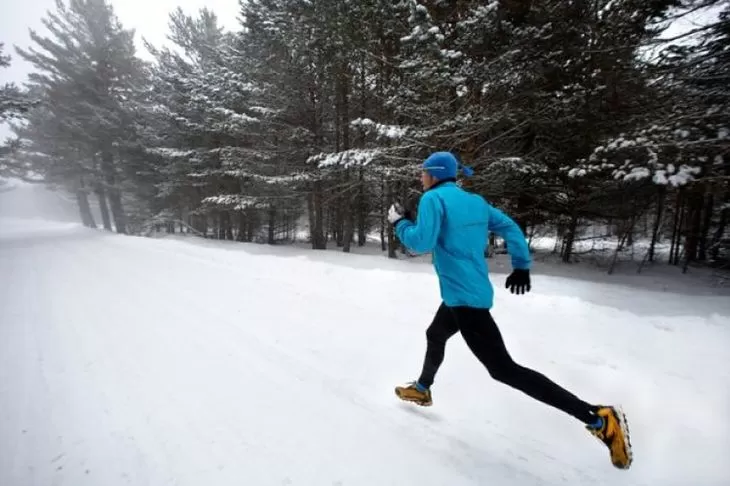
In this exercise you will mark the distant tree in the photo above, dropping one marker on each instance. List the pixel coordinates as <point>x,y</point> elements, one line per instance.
<point>13,102</point>
<point>86,71</point>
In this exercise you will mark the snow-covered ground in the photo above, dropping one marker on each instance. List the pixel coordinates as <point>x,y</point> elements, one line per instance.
<point>141,361</point>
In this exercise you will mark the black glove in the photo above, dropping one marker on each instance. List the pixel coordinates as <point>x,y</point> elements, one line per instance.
<point>519,281</point>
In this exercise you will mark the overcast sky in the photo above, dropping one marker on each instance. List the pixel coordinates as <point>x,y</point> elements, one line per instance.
<point>149,19</point>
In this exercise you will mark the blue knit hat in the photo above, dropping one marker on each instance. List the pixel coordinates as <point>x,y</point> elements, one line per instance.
<point>443,165</point>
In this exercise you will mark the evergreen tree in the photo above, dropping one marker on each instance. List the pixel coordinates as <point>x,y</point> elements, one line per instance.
<point>13,103</point>
<point>680,147</point>
<point>85,71</point>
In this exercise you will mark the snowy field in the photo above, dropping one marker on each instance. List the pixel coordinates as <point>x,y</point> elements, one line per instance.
<point>138,361</point>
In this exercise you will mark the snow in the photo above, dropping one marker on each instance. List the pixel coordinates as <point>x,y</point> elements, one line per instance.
<point>606,9</point>
<point>170,152</point>
<point>393,132</point>
<point>660,177</point>
<point>681,133</point>
<point>576,172</point>
<point>236,202</point>
<point>128,360</point>
<point>233,116</point>
<point>346,158</point>
<point>451,54</point>
<point>637,173</point>
<point>26,231</point>
<point>265,110</point>
<point>684,175</point>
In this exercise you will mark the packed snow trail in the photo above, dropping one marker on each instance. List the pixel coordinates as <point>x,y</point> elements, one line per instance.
<point>127,360</point>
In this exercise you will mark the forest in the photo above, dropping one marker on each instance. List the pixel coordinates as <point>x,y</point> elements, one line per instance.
<point>580,119</point>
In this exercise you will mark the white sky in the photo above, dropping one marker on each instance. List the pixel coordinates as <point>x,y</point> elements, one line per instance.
<point>148,18</point>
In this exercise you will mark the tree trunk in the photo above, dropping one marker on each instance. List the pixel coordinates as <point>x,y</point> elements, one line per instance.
<point>82,200</point>
<point>316,217</point>
<point>347,219</point>
<point>630,237</point>
<point>691,245</point>
<point>715,247</point>
<point>675,222</point>
<point>338,223</point>
<point>225,228</point>
<point>241,236</point>
<point>271,238</point>
<point>657,221</point>
<point>362,204</point>
<point>103,206</point>
<point>115,195</point>
<point>392,242</point>
<point>204,223</point>
<point>383,217</point>
<point>706,224</point>
<point>250,224</point>
<point>362,211</point>
<point>570,238</point>
<point>680,229</point>
<point>347,230</point>
<point>285,219</point>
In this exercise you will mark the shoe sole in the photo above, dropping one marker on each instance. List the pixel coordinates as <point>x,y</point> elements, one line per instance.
<point>409,400</point>
<point>624,424</point>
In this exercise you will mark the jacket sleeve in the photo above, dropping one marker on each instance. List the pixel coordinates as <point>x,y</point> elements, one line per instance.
<point>422,235</point>
<point>506,228</point>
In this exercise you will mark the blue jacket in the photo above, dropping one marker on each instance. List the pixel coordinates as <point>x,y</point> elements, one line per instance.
<point>454,225</point>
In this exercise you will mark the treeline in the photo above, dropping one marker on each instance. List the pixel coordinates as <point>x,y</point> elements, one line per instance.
<point>574,115</point>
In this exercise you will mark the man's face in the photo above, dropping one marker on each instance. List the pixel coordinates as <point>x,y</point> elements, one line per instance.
<point>427,180</point>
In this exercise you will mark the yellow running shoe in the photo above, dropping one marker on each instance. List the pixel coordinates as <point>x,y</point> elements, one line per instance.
<point>413,392</point>
<point>614,432</point>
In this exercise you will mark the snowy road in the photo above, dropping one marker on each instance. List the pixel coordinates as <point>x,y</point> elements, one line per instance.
<point>152,362</point>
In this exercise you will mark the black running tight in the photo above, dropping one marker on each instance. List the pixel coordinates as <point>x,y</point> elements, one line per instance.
<point>484,339</point>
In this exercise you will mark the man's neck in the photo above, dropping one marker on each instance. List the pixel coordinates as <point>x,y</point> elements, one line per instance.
<point>441,182</point>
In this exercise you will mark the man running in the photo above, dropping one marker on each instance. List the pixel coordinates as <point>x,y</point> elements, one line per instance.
<point>454,225</point>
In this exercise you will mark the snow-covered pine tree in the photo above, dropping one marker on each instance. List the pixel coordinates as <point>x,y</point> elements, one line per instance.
<point>13,102</point>
<point>283,44</point>
<point>363,155</point>
<point>206,129</point>
<point>85,70</point>
<point>592,86</point>
<point>680,145</point>
<point>46,151</point>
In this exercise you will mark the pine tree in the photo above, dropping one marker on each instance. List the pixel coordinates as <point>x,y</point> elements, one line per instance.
<point>84,73</point>
<point>13,103</point>
<point>679,147</point>
<point>208,156</point>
